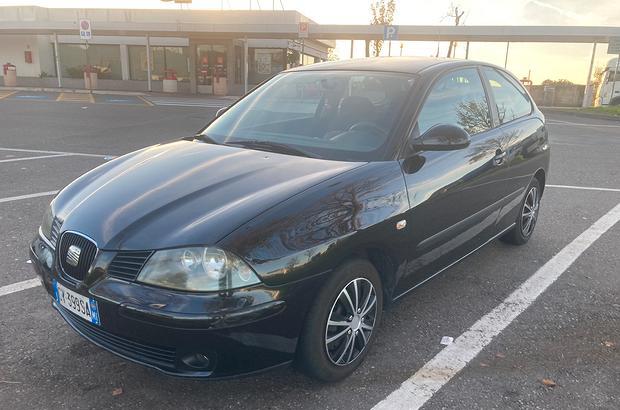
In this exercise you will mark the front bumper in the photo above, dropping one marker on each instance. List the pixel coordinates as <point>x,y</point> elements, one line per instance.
<point>215,335</point>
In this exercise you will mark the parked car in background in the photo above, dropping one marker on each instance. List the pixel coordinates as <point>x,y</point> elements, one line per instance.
<point>280,231</point>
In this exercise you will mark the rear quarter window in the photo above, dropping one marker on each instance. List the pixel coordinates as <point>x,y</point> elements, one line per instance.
<point>511,100</point>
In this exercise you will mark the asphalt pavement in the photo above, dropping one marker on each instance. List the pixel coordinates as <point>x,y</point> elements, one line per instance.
<point>563,351</point>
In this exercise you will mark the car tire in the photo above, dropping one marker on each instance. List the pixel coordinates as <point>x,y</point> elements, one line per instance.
<point>521,233</point>
<point>332,352</point>
<point>615,101</point>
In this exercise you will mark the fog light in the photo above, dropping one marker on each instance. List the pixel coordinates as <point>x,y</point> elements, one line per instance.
<point>48,258</point>
<point>199,361</point>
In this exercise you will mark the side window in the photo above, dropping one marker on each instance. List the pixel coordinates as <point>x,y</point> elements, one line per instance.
<point>512,102</point>
<point>458,98</point>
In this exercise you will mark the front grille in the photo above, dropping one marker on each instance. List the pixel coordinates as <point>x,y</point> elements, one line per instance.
<point>55,231</point>
<point>87,253</point>
<point>140,351</point>
<point>127,264</point>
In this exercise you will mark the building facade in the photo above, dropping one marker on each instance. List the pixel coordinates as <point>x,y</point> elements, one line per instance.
<point>221,62</point>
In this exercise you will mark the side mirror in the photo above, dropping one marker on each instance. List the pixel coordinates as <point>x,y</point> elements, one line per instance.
<point>441,137</point>
<point>221,111</point>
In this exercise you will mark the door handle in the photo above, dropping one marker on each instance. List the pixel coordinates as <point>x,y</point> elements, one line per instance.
<point>499,157</point>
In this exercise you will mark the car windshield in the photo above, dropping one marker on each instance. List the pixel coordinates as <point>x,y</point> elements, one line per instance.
<point>338,115</point>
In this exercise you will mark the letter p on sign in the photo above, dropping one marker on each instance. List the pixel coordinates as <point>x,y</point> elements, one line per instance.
<point>390,33</point>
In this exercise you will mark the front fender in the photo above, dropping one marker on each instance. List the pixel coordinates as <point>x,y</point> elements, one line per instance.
<point>315,230</point>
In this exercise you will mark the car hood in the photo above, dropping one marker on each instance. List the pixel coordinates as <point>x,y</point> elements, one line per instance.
<point>183,193</point>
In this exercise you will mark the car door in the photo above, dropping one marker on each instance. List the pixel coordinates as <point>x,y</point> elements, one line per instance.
<point>452,194</point>
<point>518,137</point>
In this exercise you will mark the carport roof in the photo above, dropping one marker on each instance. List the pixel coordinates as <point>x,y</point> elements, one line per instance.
<point>268,24</point>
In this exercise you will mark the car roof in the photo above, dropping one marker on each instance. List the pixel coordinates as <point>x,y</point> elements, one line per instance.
<point>409,65</point>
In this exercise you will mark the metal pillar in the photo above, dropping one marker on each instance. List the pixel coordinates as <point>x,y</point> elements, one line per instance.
<point>57,55</point>
<point>148,63</point>
<point>587,94</point>
<point>193,75</point>
<point>303,43</point>
<point>506,59</point>
<point>351,48</point>
<point>245,65</point>
<point>467,51</point>
<point>390,48</point>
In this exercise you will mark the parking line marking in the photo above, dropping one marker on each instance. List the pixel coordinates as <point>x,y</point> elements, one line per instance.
<point>438,371</point>
<point>76,97</point>
<point>586,188</point>
<point>39,157</point>
<point>557,122</point>
<point>19,286</point>
<point>58,152</point>
<point>27,196</point>
<point>5,94</point>
<point>147,102</point>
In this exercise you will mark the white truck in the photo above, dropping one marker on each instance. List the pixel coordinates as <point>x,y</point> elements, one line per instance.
<point>609,84</point>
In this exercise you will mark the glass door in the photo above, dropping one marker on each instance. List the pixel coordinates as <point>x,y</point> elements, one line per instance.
<point>211,68</point>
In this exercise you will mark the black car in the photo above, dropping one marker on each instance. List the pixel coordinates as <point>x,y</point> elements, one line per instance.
<point>280,231</point>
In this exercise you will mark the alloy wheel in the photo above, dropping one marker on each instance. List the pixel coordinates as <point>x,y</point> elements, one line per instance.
<point>351,321</point>
<point>529,213</point>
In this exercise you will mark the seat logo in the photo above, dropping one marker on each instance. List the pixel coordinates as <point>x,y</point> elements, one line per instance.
<point>73,255</point>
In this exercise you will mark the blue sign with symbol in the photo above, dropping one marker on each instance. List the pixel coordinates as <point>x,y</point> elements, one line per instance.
<point>390,33</point>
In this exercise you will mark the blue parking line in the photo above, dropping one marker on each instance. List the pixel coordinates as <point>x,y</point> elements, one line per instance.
<point>31,97</point>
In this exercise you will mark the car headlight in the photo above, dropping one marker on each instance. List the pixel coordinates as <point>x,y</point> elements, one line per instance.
<point>197,269</point>
<point>46,225</point>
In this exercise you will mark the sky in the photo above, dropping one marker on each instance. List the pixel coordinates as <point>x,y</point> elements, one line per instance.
<point>540,61</point>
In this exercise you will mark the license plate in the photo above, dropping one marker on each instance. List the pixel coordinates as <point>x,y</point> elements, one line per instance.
<point>82,306</point>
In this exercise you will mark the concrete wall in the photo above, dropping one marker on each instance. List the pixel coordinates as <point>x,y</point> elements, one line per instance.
<point>566,96</point>
<point>12,50</point>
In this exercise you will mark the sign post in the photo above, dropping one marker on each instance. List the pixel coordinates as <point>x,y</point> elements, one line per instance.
<point>85,30</point>
<point>613,47</point>
<point>390,33</point>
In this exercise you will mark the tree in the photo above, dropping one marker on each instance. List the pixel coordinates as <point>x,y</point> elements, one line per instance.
<point>454,13</point>
<point>332,55</point>
<point>382,13</point>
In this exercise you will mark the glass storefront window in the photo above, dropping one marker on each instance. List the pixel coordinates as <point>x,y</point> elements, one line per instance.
<point>162,59</point>
<point>106,59</point>
<point>265,63</point>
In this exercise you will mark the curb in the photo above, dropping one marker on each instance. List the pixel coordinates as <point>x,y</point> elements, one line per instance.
<point>579,114</point>
<point>70,90</point>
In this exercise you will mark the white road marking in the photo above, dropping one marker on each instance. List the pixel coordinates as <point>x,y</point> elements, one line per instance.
<point>183,102</point>
<point>581,124</point>
<point>19,286</point>
<point>438,371</point>
<point>27,196</point>
<point>30,158</point>
<point>586,188</point>
<point>55,152</point>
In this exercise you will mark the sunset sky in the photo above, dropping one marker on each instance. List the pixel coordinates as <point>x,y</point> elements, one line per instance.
<point>545,60</point>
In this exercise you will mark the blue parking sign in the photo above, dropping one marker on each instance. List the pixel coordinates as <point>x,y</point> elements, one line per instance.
<point>390,33</point>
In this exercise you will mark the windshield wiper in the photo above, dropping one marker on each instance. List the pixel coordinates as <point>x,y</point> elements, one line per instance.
<point>206,138</point>
<point>269,146</point>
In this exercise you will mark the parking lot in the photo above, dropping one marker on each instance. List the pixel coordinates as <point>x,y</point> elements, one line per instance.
<point>562,351</point>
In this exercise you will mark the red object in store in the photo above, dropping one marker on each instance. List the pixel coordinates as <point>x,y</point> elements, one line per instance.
<point>170,74</point>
